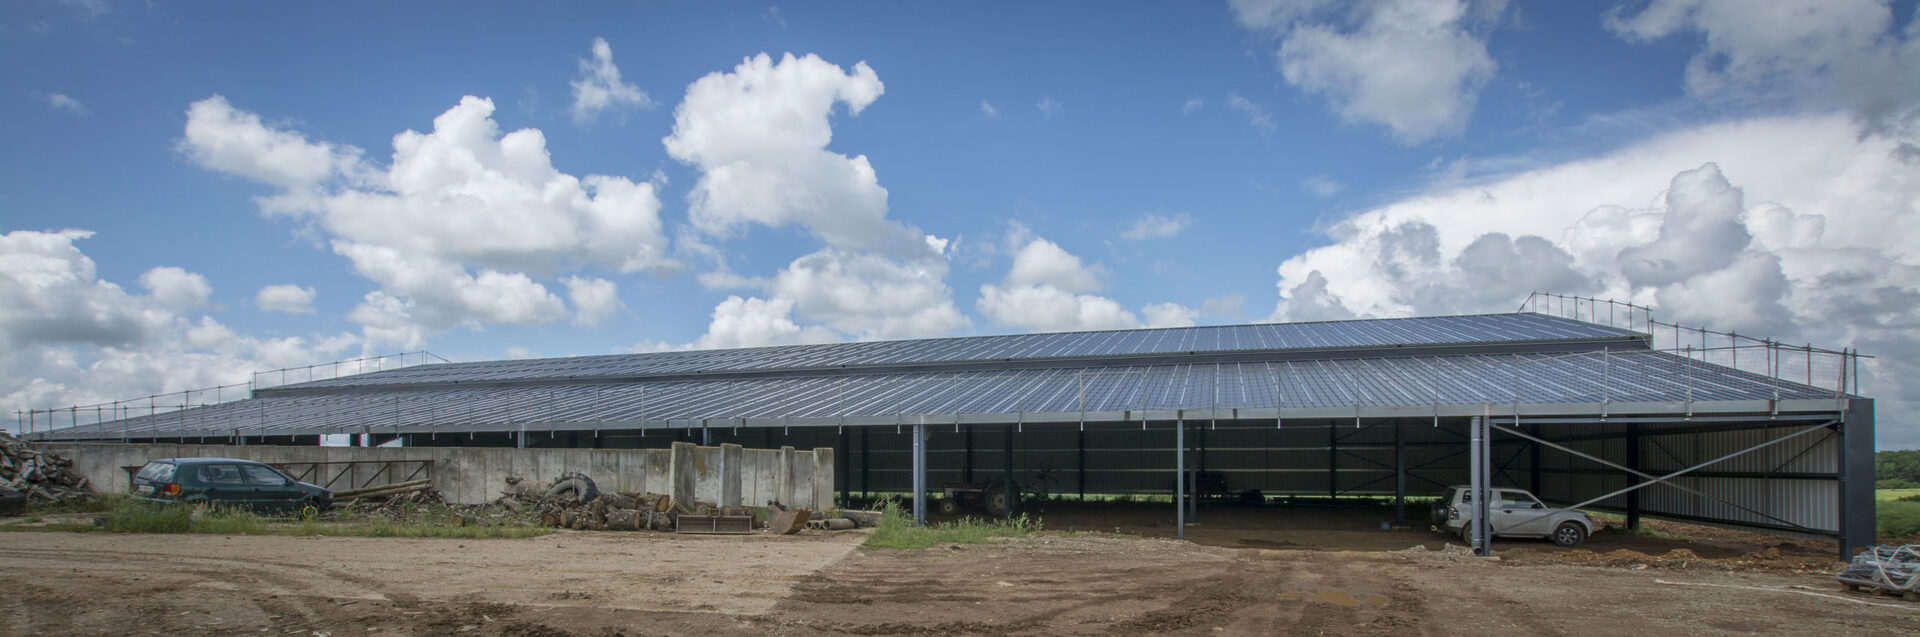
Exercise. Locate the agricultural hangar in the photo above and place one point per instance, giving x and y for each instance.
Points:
(1585, 402)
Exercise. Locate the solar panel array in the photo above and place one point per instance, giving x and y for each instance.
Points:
(1273, 337)
(1525, 379)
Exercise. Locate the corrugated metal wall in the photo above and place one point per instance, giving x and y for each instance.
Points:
(1788, 484)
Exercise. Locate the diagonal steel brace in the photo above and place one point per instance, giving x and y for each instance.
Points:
(1651, 479)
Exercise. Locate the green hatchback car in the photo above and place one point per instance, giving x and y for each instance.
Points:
(229, 482)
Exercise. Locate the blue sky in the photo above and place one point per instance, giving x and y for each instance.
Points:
(890, 171)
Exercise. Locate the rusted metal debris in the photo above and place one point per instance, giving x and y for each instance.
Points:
(784, 520)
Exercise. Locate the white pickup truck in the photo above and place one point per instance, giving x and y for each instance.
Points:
(1514, 513)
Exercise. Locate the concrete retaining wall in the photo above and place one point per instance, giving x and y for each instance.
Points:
(727, 475)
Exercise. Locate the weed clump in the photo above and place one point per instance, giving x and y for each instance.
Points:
(896, 530)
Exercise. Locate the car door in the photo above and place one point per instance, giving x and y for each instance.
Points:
(272, 491)
(223, 483)
(1519, 513)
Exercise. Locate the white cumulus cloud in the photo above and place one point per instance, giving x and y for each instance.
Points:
(456, 228)
(593, 299)
(177, 288)
(1824, 52)
(599, 87)
(286, 297)
(1794, 228)
(1414, 66)
(1048, 289)
(759, 135)
(68, 337)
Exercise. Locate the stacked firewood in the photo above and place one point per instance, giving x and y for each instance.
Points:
(572, 501)
(611, 512)
(39, 477)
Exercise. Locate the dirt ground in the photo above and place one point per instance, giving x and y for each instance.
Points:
(1358, 528)
(1337, 575)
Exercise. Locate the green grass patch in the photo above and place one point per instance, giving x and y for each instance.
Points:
(896, 530)
(1885, 495)
(1898, 518)
(124, 515)
(91, 504)
(1617, 525)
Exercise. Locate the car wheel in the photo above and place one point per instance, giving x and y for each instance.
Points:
(1569, 534)
(948, 506)
(309, 510)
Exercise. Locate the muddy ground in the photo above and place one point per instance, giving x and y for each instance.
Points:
(1346, 581)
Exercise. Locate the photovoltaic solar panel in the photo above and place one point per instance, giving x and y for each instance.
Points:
(1276, 337)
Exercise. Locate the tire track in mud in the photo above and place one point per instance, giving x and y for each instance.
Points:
(284, 595)
(291, 579)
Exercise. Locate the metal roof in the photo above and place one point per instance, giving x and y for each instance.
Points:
(1601, 382)
(1145, 346)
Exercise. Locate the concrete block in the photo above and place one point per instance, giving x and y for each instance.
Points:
(823, 478)
(783, 478)
(730, 474)
(681, 472)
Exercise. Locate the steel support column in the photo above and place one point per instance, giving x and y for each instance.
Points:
(1399, 478)
(1533, 463)
(1013, 496)
(843, 465)
(966, 461)
(1179, 480)
(1333, 463)
(1477, 465)
(1857, 528)
(1633, 463)
(1193, 477)
(920, 474)
(1080, 465)
(866, 462)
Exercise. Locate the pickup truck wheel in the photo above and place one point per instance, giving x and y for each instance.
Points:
(1569, 534)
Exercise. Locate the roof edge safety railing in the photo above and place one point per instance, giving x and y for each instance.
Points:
(1804, 364)
(46, 420)
(350, 367)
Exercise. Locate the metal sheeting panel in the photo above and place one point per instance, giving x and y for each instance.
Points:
(1000, 396)
(1446, 330)
(1787, 484)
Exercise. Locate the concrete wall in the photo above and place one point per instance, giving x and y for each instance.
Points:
(473, 475)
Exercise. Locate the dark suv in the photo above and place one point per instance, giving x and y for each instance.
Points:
(230, 482)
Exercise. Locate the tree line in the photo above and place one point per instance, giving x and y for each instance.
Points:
(1897, 469)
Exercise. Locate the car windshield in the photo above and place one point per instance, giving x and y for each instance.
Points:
(262, 475)
(156, 472)
(219, 474)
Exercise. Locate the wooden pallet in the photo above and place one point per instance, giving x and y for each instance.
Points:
(1911, 596)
